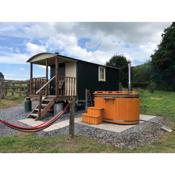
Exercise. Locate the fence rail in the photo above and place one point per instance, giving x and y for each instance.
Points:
(2, 88)
(16, 87)
(66, 87)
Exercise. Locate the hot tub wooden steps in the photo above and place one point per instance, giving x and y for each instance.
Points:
(93, 116)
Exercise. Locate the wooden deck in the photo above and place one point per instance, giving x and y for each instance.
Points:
(57, 98)
(66, 87)
(41, 90)
(58, 88)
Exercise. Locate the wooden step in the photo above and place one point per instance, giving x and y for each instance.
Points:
(44, 105)
(36, 109)
(34, 115)
(51, 96)
(48, 99)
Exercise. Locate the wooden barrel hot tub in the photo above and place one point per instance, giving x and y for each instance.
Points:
(120, 107)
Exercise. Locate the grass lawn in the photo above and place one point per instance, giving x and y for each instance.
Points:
(158, 103)
(11, 101)
(32, 143)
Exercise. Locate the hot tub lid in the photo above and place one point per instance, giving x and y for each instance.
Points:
(126, 94)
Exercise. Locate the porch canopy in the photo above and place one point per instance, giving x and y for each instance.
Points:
(48, 59)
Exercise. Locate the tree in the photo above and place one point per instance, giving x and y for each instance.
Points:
(163, 60)
(1, 75)
(120, 61)
(142, 75)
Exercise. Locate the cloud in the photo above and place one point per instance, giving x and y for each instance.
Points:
(34, 48)
(137, 40)
(132, 32)
(14, 58)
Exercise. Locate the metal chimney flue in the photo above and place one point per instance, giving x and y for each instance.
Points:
(129, 75)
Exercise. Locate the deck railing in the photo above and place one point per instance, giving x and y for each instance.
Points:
(66, 86)
(36, 84)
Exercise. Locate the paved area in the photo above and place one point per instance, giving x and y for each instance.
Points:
(118, 128)
(56, 126)
(104, 125)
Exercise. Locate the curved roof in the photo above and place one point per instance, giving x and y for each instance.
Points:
(41, 56)
(39, 59)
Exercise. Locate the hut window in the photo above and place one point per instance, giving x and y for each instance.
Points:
(101, 73)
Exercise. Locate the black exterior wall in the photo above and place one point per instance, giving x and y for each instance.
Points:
(87, 77)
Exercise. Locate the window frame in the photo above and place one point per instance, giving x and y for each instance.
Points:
(100, 73)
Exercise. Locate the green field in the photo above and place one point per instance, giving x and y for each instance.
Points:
(11, 101)
(31, 143)
(158, 103)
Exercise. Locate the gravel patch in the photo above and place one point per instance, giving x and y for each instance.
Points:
(139, 135)
(12, 114)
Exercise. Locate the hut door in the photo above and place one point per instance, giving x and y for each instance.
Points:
(61, 71)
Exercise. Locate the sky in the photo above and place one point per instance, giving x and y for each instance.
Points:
(94, 42)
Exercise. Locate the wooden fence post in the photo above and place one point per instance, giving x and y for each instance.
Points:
(71, 118)
(20, 89)
(12, 89)
(2, 88)
(6, 86)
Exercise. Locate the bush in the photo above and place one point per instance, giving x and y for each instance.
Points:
(151, 87)
(1, 75)
(142, 85)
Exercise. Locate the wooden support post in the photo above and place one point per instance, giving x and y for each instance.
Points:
(47, 87)
(86, 99)
(31, 78)
(56, 77)
(40, 105)
(71, 118)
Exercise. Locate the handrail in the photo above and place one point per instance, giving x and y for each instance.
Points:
(39, 78)
(38, 91)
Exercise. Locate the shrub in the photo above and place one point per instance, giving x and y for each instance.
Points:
(151, 87)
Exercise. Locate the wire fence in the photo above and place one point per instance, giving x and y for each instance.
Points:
(13, 88)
